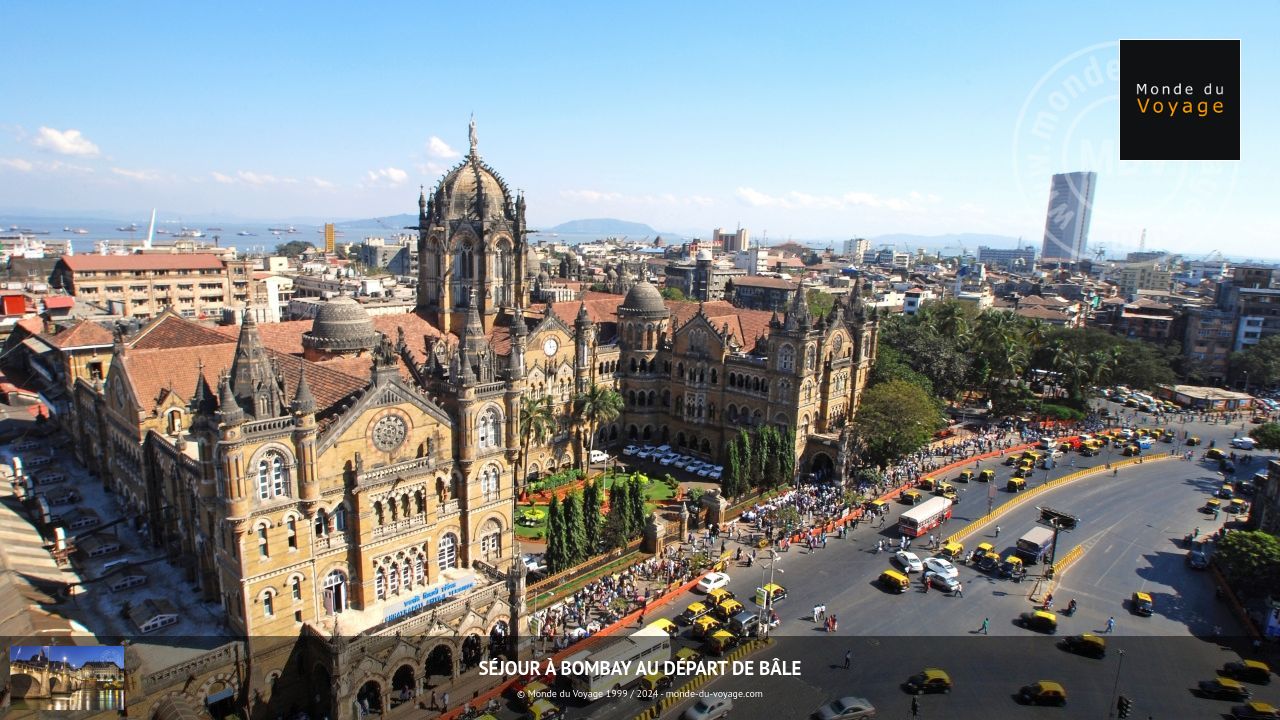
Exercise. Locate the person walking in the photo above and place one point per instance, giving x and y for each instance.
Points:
(986, 626)
(959, 590)
(915, 707)
(1111, 625)
(444, 702)
(997, 531)
(816, 610)
(848, 658)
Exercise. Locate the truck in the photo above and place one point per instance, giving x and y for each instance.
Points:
(1035, 544)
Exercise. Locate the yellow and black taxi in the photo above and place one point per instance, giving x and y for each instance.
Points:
(703, 626)
(951, 550)
(1224, 491)
(1086, 644)
(1255, 711)
(1044, 692)
(1022, 471)
(695, 611)
(1221, 688)
(929, 680)
(544, 710)
(717, 596)
(1193, 441)
(1041, 621)
(876, 507)
(655, 683)
(1142, 604)
(721, 642)
(987, 475)
(687, 654)
(1214, 454)
(1016, 483)
(894, 581)
(1132, 450)
(770, 594)
(1237, 506)
(1252, 671)
(926, 484)
(533, 692)
(1012, 460)
(911, 497)
(948, 491)
(728, 609)
(666, 626)
(964, 476)
(1211, 506)
(989, 561)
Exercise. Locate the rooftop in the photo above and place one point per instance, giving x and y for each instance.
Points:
(170, 261)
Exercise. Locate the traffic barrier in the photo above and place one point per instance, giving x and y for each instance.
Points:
(1025, 496)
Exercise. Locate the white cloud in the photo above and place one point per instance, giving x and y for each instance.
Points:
(438, 148)
(796, 200)
(136, 174)
(390, 175)
(65, 142)
(224, 179)
(617, 198)
(259, 179)
(16, 164)
(322, 184)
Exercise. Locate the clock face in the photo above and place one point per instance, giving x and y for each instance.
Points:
(550, 346)
(389, 432)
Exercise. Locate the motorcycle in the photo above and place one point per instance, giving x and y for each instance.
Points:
(1071, 609)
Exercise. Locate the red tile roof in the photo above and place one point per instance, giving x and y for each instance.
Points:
(149, 261)
(82, 334)
(59, 302)
(170, 330)
(744, 325)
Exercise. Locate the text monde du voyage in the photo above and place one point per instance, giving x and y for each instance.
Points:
(1179, 100)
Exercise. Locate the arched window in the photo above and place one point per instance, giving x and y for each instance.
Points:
(393, 579)
(713, 376)
(419, 575)
(489, 483)
(447, 553)
(810, 357)
(786, 358)
(291, 531)
(406, 573)
(491, 540)
(175, 421)
(489, 429)
(322, 523)
(269, 603)
(296, 586)
(273, 481)
(340, 518)
(263, 549)
(466, 268)
(335, 591)
(380, 584)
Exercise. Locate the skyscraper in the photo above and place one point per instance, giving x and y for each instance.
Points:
(1066, 226)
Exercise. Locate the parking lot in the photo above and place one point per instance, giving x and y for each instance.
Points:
(657, 460)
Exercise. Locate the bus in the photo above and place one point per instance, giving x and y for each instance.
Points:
(924, 517)
(648, 644)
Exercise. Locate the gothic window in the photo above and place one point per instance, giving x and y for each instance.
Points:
(273, 482)
(447, 553)
(489, 483)
(489, 429)
(296, 585)
(418, 570)
(269, 603)
(322, 523)
(666, 398)
(786, 358)
(380, 584)
(406, 573)
(466, 268)
(810, 357)
(291, 530)
(393, 580)
(340, 518)
(491, 540)
(713, 376)
(263, 549)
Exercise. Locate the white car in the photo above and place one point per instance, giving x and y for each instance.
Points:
(941, 566)
(1243, 443)
(664, 449)
(709, 708)
(715, 474)
(668, 459)
(706, 471)
(630, 450)
(644, 453)
(846, 708)
(695, 466)
(713, 581)
(599, 456)
(909, 561)
(680, 461)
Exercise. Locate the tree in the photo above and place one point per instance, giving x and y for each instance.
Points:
(731, 480)
(673, 293)
(537, 423)
(787, 457)
(293, 248)
(598, 405)
(820, 303)
(1250, 561)
(557, 560)
(635, 508)
(894, 420)
(1258, 364)
(591, 519)
(889, 365)
(773, 456)
(761, 446)
(575, 529)
(1267, 436)
(746, 457)
(617, 529)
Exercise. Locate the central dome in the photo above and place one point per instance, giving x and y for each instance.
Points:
(469, 179)
(644, 297)
(341, 326)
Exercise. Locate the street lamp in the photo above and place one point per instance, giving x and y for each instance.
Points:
(1116, 687)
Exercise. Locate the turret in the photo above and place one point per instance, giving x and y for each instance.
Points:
(229, 412)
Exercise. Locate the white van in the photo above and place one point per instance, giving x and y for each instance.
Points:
(599, 456)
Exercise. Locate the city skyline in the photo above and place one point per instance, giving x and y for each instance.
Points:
(838, 122)
(75, 655)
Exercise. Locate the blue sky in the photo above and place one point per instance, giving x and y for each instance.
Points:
(805, 121)
(77, 655)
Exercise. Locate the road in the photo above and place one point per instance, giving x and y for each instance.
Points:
(1131, 529)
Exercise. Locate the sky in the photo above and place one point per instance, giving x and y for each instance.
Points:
(77, 655)
(807, 121)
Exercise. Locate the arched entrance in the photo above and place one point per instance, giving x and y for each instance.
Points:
(498, 639)
(439, 663)
(335, 592)
(822, 467)
(369, 698)
(472, 651)
(322, 692)
(403, 685)
(219, 700)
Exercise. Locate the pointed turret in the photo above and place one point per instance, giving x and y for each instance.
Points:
(229, 411)
(254, 379)
(304, 403)
(798, 317)
(203, 399)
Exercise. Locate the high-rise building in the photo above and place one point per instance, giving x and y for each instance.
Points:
(856, 248)
(1066, 225)
(731, 242)
(1019, 258)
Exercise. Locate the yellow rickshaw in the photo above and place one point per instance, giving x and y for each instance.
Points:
(532, 693)
(1015, 485)
(952, 550)
(770, 594)
(1132, 450)
(728, 609)
(1012, 566)
(717, 596)
(1238, 506)
(987, 475)
(964, 476)
(876, 507)
(695, 611)
(703, 626)
(912, 497)
(544, 710)
(1142, 604)
(946, 490)
(926, 484)
(989, 562)
(654, 683)
(666, 626)
(1212, 506)
(1193, 441)
(721, 641)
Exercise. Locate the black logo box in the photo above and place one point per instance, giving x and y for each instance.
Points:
(1204, 73)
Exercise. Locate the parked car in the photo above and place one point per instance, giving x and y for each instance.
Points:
(630, 450)
(599, 456)
(1224, 689)
(944, 583)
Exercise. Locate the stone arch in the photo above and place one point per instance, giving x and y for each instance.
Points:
(439, 660)
(370, 694)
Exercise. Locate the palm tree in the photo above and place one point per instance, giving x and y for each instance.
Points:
(949, 319)
(597, 405)
(537, 423)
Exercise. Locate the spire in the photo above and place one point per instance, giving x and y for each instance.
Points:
(798, 317)
(203, 399)
(422, 201)
(229, 411)
(254, 380)
(518, 327)
(583, 318)
(474, 327)
(304, 403)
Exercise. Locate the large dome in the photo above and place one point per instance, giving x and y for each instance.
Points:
(341, 326)
(644, 297)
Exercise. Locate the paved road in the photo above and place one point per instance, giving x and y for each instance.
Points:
(1129, 527)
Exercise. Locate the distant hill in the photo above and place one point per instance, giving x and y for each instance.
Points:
(394, 221)
(970, 241)
(602, 226)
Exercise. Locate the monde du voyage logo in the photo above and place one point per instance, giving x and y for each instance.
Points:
(1179, 99)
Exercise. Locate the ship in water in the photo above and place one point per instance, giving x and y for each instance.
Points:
(131, 227)
(77, 231)
(291, 229)
(214, 229)
(246, 233)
